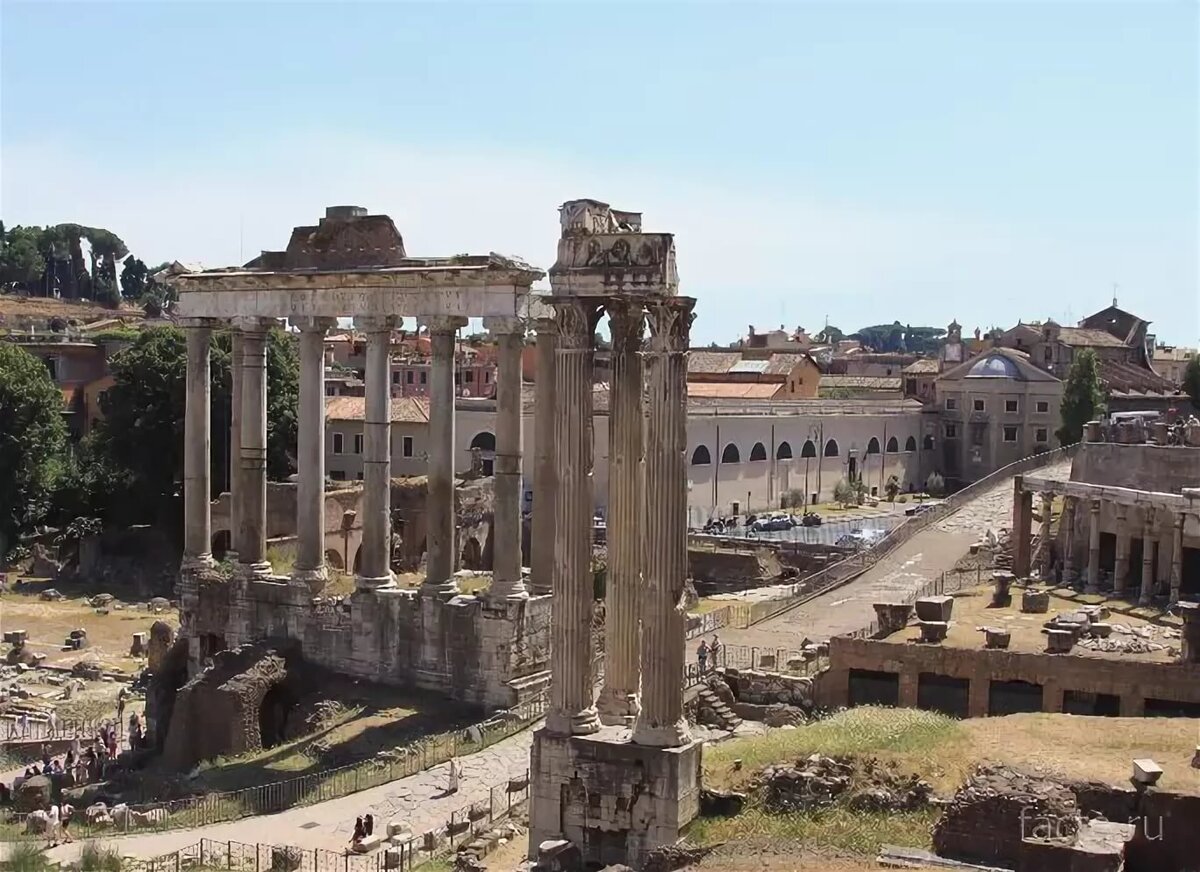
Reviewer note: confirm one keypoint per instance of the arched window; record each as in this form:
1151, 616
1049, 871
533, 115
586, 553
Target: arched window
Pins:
928, 443
758, 452
893, 445
831, 448
873, 446
701, 457
484, 441
809, 449
731, 454
910, 444
783, 452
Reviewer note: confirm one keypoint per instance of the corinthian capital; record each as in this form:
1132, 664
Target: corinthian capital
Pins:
670, 323
575, 318
626, 319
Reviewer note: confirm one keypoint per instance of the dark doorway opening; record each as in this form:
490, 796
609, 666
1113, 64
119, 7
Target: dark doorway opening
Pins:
1080, 702
273, 716
874, 688
211, 644
220, 544
1190, 579
943, 693
1170, 708
1014, 697
1108, 552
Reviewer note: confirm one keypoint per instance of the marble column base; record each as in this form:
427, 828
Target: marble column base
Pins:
445, 590
194, 563
252, 571
315, 579
363, 582
618, 709
582, 723
662, 736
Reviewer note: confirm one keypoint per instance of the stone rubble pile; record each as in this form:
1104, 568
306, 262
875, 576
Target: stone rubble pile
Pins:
996, 808
819, 781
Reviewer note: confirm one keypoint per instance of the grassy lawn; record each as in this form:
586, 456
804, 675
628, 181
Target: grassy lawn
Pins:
835, 828
706, 604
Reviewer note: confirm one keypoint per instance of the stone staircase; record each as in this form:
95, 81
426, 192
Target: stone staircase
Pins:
712, 710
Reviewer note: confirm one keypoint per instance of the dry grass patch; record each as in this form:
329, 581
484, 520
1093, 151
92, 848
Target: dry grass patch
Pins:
936, 746
837, 827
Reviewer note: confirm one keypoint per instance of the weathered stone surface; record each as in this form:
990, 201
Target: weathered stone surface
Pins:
33, 793
933, 631
996, 809
1035, 601
934, 608
820, 781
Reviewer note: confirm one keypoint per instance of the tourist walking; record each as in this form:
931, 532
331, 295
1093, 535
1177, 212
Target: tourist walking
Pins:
452, 787
702, 655
359, 834
52, 824
714, 651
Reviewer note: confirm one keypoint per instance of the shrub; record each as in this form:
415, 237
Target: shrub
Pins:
99, 858
793, 499
903, 498
25, 857
935, 485
845, 493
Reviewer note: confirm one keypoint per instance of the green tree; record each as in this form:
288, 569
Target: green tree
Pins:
935, 485
1191, 381
21, 262
1083, 397
134, 278
845, 493
139, 442
32, 441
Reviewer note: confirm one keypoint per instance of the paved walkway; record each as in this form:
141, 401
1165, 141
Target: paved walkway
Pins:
418, 801
927, 554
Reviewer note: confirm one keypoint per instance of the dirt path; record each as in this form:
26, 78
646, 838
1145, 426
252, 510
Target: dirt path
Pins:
418, 801
926, 555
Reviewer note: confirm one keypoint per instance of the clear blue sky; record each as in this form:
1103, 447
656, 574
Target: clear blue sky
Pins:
861, 161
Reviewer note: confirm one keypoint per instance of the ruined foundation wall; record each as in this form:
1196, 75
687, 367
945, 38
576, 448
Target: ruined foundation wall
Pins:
468, 648
1140, 467
1132, 681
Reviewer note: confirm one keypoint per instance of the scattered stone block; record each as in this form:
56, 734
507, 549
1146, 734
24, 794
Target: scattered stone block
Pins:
1002, 582
51, 594
1146, 771
1035, 602
1100, 630
996, 638
398, 828
16, 637
368, 844
1060, 641
892, 616
101, 600
935, 608
933, 631
139, 646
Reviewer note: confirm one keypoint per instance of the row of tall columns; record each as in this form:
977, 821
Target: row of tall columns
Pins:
1149, 545
1121, 559
647, 532
1066, 522
248, 481
1093, 567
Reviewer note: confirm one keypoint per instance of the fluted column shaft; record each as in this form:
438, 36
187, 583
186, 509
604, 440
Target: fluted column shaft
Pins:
374, 563
1121, 563
310, 467
1176, 558
506, 515
571, 684
1148, 545
1093, 568
545, 470
197, 522
618, 702
439, 512
251, 535
1067, 521
236, 352
1047, 544
661, 722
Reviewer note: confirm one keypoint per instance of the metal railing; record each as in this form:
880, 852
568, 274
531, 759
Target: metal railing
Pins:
743, 615
317, 787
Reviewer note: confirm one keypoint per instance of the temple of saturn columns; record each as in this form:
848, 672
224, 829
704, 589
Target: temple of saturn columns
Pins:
491, 650
1127, 522
616, 773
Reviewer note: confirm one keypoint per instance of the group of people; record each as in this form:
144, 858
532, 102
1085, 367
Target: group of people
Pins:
363, 827
709, 652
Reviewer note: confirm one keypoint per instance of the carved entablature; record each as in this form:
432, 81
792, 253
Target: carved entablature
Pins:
603, 252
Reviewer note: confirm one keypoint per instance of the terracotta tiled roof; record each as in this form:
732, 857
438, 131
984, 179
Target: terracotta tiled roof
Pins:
712, 361
732, 390
924, 366
406, 410
861, 382
784, 362
1088, 337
